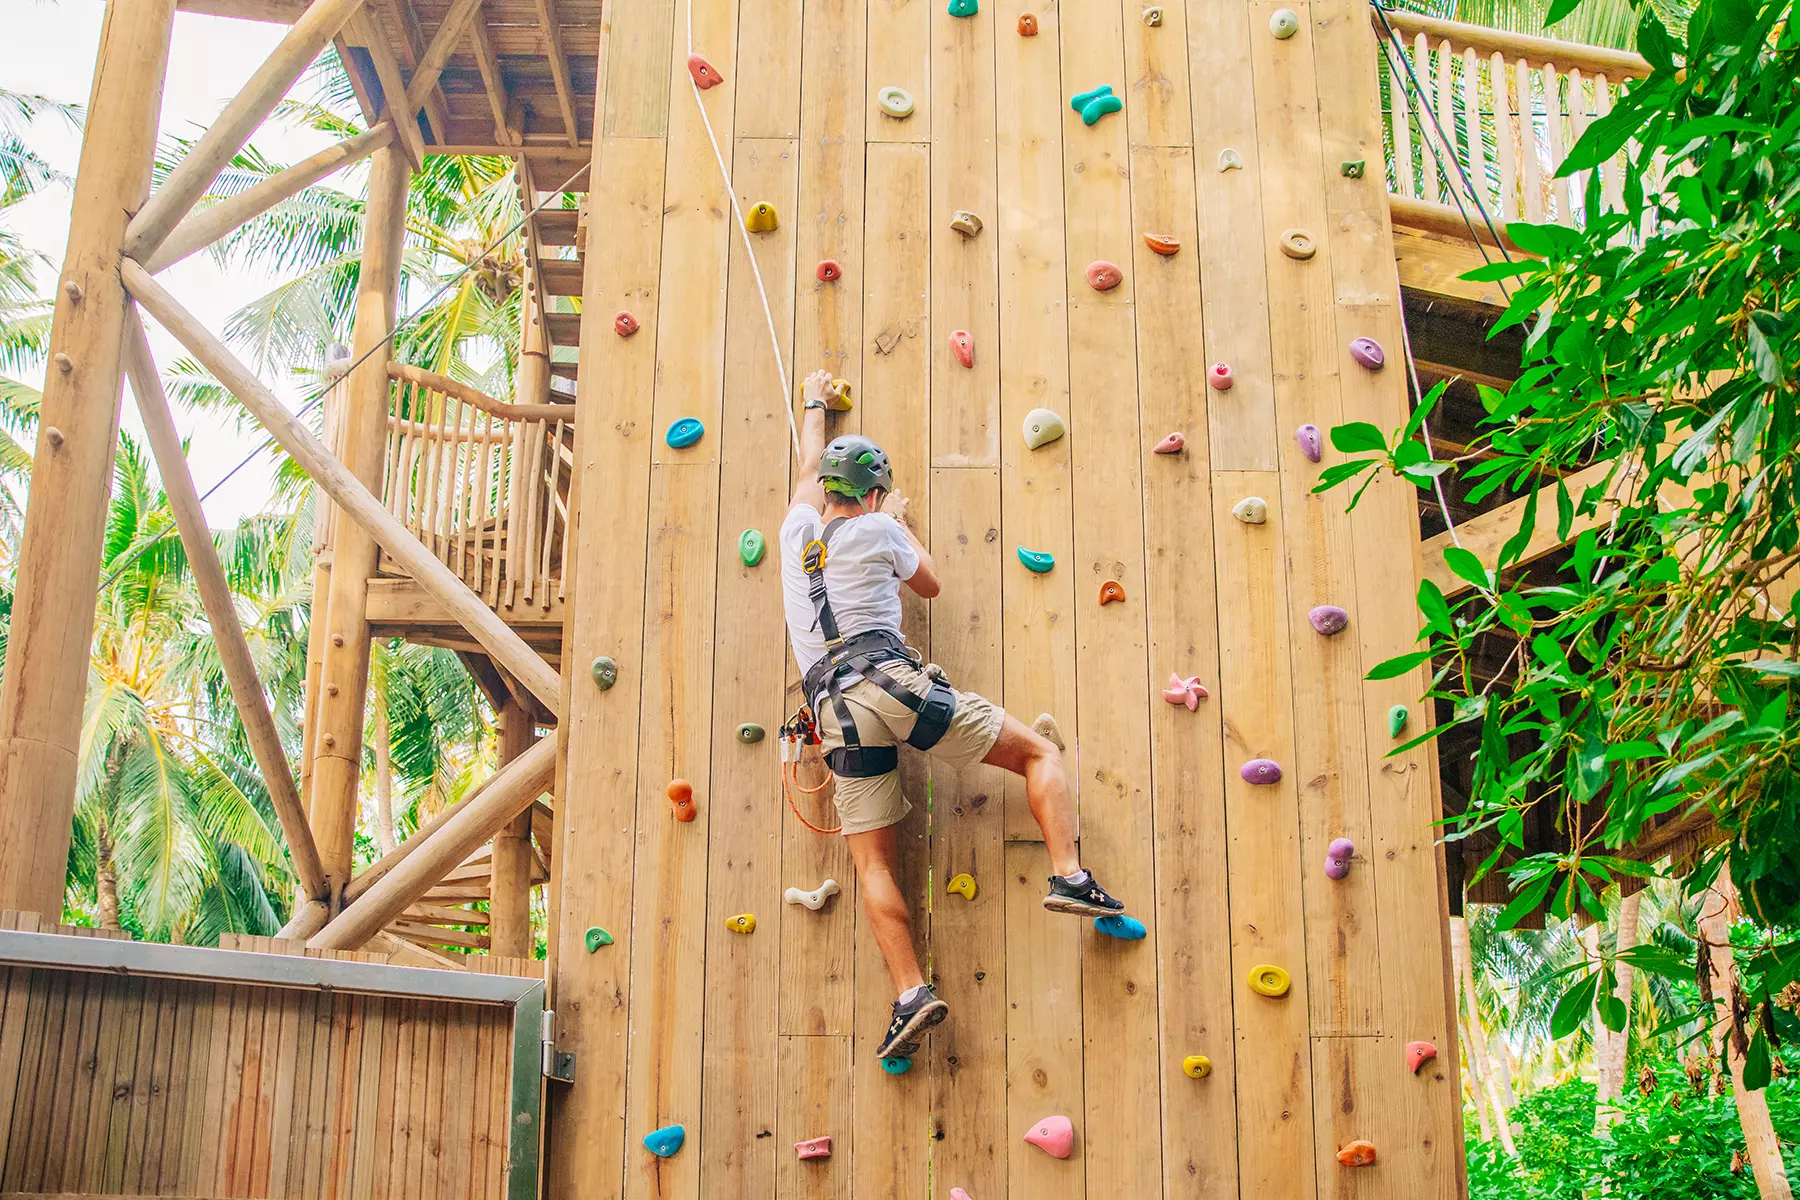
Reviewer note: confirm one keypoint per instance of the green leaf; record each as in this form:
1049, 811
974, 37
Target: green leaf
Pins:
1357, 436
1436, 608
1515, 545
1774, 666
1467, 566
1572, 1009
1528, 899
1769, 367
1400, 664
1560, 9
1504, 269
1659, 960
1546, 241
1756, 1063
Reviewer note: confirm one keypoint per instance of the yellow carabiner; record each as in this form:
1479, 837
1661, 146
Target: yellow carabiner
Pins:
806, 554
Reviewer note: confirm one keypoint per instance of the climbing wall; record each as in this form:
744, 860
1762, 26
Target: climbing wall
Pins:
753, 1042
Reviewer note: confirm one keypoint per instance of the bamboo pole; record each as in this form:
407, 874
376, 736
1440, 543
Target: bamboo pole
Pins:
307, 920
356, 501
227, 135
203, 228
472, 822
337, 361
509, 887
221, 612
44, 683
1618, 63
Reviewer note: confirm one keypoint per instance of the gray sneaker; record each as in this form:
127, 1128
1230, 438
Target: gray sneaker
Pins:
912, 1020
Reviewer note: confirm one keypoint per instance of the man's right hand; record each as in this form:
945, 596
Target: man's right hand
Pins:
895, 505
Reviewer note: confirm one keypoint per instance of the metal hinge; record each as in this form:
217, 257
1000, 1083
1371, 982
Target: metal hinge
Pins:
558, 1064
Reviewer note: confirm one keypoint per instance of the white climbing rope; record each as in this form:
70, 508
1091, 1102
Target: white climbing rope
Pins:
762, 292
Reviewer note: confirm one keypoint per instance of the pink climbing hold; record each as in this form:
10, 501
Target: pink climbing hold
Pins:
1418, 1054
819, 1147
1185, 691
1261, 771
1368, 352
1337, 858
1329, 620
1103, 276
1311, 443
1220, 377
624, 324
958, 1193
705, 74
1055, 1136
830, 271
1173, 444
963, 346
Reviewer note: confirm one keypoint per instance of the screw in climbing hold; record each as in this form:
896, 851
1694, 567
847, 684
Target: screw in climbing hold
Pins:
596, 937
1338, 856
1368, 352
1042, 427
819, 1147
1266, 980
1196, 1066
1284, 24
1418, 1054
705, 74
761, 218
750, 733
681, 795
684, 433
1260, 771
751, 545
1298, 243
1220, 376
896, 102
964, 8
1165, 244
962, 345
963, 884
1353, 170
1311, 442
624, 323
1126, 929
1055, 1136
1028, 25
1153, 16
666, 1141
815, 899
1357, 1154
965, 222
1103, 276
1251, 510
829, 271
1185, 691
1230, 160
742, 923
894, 1064
1037, 561
1174, 443
837, 396
1397, 718
1112, 592
605, 672
1328, 620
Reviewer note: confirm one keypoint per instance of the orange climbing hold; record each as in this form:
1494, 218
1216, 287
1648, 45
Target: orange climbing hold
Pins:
1027, 25
624, 324
829, 271
1163, 243
1357, 1154
681, 794
1103, 276
705, 74
1111, 591
963, 346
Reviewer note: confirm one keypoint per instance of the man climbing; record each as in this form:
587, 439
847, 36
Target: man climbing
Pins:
846, 548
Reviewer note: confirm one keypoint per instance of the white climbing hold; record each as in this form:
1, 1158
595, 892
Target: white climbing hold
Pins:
1251, 510
1230, 160
816, 898
1042, 427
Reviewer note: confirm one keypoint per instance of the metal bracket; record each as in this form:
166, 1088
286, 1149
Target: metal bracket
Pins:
558, 1065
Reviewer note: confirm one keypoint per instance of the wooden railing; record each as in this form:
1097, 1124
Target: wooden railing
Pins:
483, 483
1498, 112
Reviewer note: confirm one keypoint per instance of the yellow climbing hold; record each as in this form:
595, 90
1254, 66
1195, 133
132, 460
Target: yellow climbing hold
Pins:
761, 218
742, 923
1269, 981
1197, 1066
963, 885
837, 396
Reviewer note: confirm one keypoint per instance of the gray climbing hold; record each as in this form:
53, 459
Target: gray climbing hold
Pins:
1262, 771
1042, 427
1284, 24
1046, 728
1251, 510
750, 732
1311, 443
1329, 620
605, 672
1397, 719
1337, 858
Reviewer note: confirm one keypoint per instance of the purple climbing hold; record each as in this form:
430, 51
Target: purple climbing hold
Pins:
1368, 352
1311, 444
1329, 619
1337, 858
1260, 771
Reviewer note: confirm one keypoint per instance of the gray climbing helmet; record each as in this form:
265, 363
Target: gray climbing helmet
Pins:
858, 461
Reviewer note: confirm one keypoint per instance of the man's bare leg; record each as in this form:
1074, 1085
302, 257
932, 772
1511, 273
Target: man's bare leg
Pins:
876, 857
1025, 753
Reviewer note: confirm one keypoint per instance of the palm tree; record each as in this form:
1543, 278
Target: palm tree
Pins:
430, 734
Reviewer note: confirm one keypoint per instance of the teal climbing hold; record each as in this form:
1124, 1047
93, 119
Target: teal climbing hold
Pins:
685, 432
596, 938
1080, 100
1037, 560
1397, 718
964, 8
666, 1141
896, 1066
751, 545
1129, 929
1098, 107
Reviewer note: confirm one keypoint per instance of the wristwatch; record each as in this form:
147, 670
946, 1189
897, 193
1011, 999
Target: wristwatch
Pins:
813, 403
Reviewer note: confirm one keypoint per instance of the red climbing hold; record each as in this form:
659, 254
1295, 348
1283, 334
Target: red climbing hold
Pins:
1357, 1154
625, 324
1055, 1136
1103, 276
829, 271
1219, 375
681, 794
819, 1147
1418, 1054
963, 346
1173, 444
1027, 25
705, 74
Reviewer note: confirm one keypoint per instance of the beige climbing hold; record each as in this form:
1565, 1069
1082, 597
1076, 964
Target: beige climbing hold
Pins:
1284, 24
1298, 243
1042, 427
1230, 160
761, 218
1153, 16
1251, 510
1164, 244
1045, 727
742, 923
963, 884
896, 102
965, 222
814, 899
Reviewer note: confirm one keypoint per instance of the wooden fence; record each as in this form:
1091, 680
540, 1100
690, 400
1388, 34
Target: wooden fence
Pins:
150, 1071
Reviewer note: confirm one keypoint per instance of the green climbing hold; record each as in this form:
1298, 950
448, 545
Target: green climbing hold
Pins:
1037, 560
964, 8
1080, 100
1352, 170
896, 1066
1098, 107
1397, 718
751, 545
596, 938
605, 671
750, 731
1284, 24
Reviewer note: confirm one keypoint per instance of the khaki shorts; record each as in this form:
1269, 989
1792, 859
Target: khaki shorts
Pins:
875, 802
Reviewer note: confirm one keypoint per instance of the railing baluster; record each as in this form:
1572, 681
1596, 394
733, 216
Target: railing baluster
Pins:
1531, 179
1400, 104
1553, 137
1446, 116
1506, 160
1578, 123
1471, 92
549, 449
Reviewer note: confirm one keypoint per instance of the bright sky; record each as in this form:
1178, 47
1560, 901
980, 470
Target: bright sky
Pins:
49, 51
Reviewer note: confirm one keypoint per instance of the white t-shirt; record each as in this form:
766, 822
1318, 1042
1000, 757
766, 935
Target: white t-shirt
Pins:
868, 558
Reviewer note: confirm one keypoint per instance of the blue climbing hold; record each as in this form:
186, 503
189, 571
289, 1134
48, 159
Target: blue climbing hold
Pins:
1128, 928
1037, 560
1099, 106
896, 1066
685, 432
964, 8
666, 1141
1080, 100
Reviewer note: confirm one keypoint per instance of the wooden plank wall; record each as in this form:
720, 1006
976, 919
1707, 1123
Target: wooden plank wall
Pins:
115, 1086
755, 1042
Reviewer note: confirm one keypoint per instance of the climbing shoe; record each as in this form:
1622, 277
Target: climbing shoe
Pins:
1086, 899
912, 1019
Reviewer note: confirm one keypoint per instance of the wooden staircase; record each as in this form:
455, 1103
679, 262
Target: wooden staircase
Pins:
553, 238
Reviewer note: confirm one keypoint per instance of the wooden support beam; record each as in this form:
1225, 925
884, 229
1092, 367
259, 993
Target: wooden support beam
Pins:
431, 935
408, 954
393, 90
505, 647
472, 822
221, 611
201, 229
493, 82
227, 135
437, 54
509, 884
369, 876
307, 920
433, 914
1486, 534
559, 68
44, 684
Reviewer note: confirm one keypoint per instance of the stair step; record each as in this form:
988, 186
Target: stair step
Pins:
556, 226
564, 328
560, 276
563, 370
